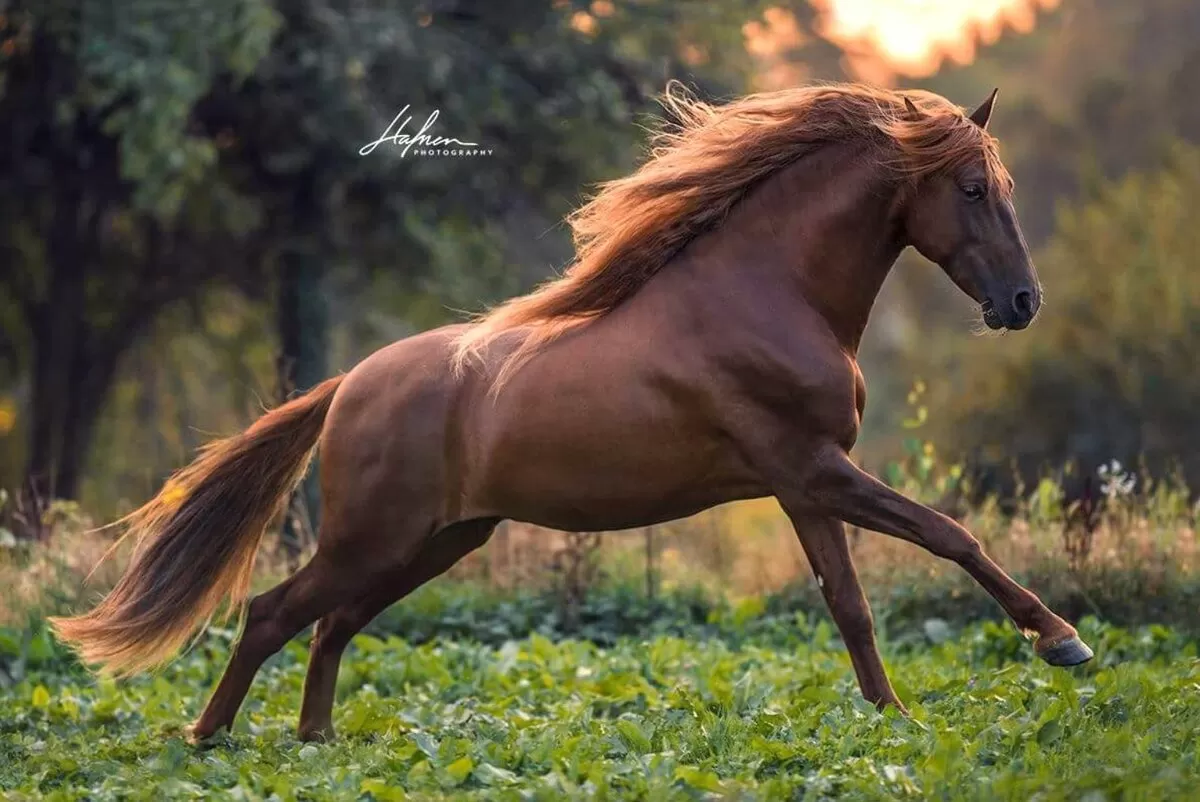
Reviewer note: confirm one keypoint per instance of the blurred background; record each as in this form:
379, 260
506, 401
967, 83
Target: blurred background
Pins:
188, 232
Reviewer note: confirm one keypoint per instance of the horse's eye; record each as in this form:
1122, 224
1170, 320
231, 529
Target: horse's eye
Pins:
974, 192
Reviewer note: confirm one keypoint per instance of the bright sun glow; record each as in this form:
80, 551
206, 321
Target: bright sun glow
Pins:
912, 36
882, 39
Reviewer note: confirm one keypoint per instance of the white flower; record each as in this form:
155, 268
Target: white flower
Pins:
1115, 482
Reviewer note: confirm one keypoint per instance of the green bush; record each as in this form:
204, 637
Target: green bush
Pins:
1109, 369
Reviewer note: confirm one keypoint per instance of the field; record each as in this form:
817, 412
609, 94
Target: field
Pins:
523, 677
746, 705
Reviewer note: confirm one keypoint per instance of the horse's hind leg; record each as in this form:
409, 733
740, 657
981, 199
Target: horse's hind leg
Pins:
335, 630
272, 619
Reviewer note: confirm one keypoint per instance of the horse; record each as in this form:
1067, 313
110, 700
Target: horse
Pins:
700, 349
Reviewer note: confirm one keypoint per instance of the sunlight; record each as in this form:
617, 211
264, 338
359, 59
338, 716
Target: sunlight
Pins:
882, 39
913, 36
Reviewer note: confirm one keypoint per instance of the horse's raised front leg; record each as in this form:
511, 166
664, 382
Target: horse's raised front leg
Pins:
825, 544
838, 487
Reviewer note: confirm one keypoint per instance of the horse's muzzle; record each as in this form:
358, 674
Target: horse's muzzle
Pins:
991, 318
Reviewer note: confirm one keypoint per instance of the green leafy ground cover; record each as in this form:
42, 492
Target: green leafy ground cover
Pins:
752, 716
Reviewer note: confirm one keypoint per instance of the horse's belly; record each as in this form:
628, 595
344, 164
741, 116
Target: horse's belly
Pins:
602, 477
608, 505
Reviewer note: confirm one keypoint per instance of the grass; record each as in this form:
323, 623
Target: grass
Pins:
655, 718
729, 683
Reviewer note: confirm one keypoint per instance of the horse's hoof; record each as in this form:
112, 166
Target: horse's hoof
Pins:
198, 737
1069, 652
316, 735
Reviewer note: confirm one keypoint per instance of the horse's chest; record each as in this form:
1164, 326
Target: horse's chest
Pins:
860, 393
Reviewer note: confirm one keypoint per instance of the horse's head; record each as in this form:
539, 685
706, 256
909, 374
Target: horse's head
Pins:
962, 218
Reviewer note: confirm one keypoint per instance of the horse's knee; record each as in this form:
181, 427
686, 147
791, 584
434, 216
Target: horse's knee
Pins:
961, 546
333, 633
262, 635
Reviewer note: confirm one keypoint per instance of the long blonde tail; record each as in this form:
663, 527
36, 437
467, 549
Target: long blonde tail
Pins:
197, 539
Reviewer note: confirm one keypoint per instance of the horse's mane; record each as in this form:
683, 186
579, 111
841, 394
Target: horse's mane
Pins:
700, 166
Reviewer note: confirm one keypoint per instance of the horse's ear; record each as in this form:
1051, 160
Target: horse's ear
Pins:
982, 114
914, 113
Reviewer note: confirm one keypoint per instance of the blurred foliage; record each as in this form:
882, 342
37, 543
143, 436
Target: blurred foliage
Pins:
111, 205
464, 611
919, 474
1108, 371
164, 55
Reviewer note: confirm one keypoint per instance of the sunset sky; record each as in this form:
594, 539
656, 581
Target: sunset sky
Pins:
881, 38
912, 36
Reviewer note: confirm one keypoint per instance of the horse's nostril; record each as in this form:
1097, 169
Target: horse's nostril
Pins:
1023, 303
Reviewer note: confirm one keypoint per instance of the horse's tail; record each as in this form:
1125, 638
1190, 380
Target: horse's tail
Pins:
197, 539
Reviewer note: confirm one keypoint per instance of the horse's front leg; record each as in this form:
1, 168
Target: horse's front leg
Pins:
825, 544
839, 488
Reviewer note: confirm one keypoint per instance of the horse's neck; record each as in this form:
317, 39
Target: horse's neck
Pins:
822, 233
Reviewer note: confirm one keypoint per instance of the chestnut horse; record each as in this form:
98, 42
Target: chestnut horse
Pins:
700, 349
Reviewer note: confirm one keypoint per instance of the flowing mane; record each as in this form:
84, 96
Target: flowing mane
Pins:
699, 168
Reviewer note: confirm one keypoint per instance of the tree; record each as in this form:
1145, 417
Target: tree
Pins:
208, 143
109, 210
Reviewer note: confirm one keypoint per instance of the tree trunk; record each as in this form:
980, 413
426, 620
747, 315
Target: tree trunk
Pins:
90, 379
57, 325
40, 467
303, 321
303, 336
